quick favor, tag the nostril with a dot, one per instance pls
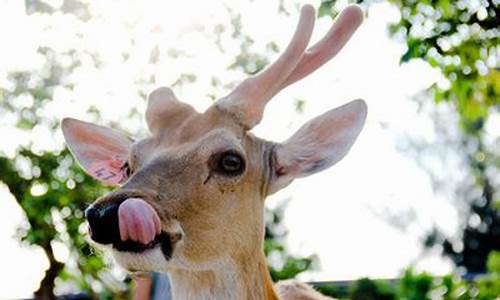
(103, 223)
(175, 237)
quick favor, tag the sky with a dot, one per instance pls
(334, 214)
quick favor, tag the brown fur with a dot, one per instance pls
(169, 173)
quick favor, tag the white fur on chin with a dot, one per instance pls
(149, 260)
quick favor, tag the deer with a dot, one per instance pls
(189, 197)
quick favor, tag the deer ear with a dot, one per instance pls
(101, 151)
(317, 145)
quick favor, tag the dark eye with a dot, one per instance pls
(231, 163)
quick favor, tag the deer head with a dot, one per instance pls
(191, 195)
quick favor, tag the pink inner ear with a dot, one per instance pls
(108, 171)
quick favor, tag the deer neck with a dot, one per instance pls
(247, 279)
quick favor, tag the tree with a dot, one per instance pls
(461, 38)
(281, 264)
(48, 185)
(422, 286)
(53, 192)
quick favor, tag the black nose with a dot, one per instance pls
(103, 222)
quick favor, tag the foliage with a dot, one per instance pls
(49, 186)
(461, 38)
(422, 286)
(281, 264)
(53, 192)
(489, 285)
(415, 286)
(331, 290)
(367, 289)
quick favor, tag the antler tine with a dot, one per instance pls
(164, 108)
(158, 100)
(341, 31)
(248, 100)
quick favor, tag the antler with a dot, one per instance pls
(248, 100)
(339, 34)
(164, 108)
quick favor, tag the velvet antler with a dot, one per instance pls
(248, 100)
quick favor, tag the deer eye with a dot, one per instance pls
(230, 163)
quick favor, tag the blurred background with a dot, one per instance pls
(416, 201)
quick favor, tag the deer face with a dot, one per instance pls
(191, 194)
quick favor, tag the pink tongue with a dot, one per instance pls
(138, 221)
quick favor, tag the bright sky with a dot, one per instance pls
(329, 214)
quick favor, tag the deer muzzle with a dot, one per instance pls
(130, 225)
